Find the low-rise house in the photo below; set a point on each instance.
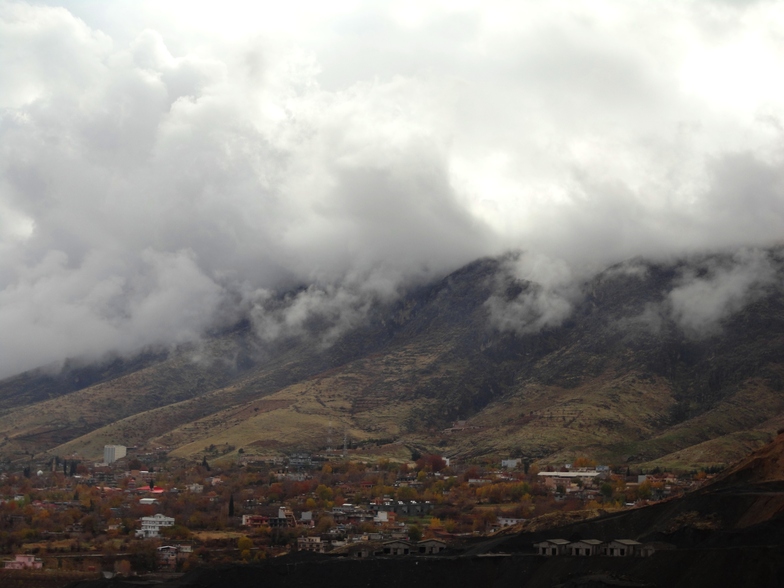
(23, 561)
(585, 547)
(431, 546)
(621, 548)
(552, 547)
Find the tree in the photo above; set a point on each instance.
(204, 464)
(72, 471)
(231, 505)
(414, 533)
(431, 462)
(123, 567)
(244, 543)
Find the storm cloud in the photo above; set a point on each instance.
(168, 167)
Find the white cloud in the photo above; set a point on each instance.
(324, 145)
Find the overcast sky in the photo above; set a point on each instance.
(165, 166)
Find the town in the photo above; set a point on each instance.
(140, 511)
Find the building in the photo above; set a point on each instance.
(431, 546)
(403, 507)
(23, 562)
(151, 526)
(254, 521)
(396, 548)
(170, 555)
(112, 453)
(285, 518)
(585, 547)
(552, 547)
(553, 479)
(301, 460)
(621, 548)
(314, 544)
(167, 556)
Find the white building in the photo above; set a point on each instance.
(112, 453)
(151, 526)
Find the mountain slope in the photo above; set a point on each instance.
(627, 375)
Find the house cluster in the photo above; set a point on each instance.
(363, 549)
(591, 547)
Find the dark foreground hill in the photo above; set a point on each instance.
(671, 364)
(736, 568)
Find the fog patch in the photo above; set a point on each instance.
(717, 288)
(532, 292)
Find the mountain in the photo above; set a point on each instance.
(662, 363)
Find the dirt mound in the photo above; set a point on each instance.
(763, 466)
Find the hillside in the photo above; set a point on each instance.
(623, 377)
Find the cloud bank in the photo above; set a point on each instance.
(166, 167)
